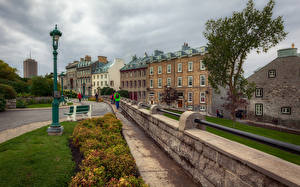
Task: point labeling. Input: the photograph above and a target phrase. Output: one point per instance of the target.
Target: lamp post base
(54, 131)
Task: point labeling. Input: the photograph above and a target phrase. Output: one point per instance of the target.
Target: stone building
(84, 76)
(184, 71)
(107, 75)
(71, 78)
(30, 68)
(277, 95)
(133, 78)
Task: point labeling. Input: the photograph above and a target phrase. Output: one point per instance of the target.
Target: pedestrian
(117, 98)
(96, 95)
(79, 97)
(218, 113)
(112, 98)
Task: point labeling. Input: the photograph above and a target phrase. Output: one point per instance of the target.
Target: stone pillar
(187, 120)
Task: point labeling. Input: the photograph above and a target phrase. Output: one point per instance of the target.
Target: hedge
(107, 158)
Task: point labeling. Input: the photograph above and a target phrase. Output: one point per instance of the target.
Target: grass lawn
(282, 136)
(36, 159)
(39, 105)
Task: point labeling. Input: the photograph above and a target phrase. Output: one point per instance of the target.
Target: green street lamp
(62, 98)
(55, 128)
(83, 90)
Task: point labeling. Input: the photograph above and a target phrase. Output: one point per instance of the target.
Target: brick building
(133, 78)
(184, 71)
(277, 95)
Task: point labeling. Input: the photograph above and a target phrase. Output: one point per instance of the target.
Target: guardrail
(268, 141)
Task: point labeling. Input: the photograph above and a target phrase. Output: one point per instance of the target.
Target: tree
(169, 95)
(7, 72)
(42, 86)
(231, 39)
(124, 93)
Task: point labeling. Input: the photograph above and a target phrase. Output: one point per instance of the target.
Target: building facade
(84, 76)
(133, 78)
(184, 71)
(107, 75)
(71, 76)
(277, 95)
(30, 68)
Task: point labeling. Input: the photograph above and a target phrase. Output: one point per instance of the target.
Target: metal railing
(268, 141)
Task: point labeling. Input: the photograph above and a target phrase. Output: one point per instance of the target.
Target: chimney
(185, 46)
(81, 59)
(293, 45)
(102, 59)
(87, 58)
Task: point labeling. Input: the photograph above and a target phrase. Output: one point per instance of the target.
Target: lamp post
(62, 75)
(55, 128)
(83, 90)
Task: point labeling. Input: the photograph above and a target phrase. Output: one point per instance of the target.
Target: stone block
(214, 173)
(249, 175)
(198, 146)
(201, 179)
(189, 141)
(232, 180)
(210, 153)
(187, 120)
(186, 151)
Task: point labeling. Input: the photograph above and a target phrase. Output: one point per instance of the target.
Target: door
(179, 103)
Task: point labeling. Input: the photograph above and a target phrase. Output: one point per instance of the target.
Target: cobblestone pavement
(15, 118)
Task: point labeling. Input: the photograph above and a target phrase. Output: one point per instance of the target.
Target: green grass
(281, 136)
(36, 159)
(39, 105)
(69, 104)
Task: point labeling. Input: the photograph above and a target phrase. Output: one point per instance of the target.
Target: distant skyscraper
(30, 68)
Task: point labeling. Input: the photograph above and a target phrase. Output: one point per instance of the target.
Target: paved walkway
(155, 166)
(15, 124)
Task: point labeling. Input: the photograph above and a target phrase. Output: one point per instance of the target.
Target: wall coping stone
(274, 167)
(187, 120)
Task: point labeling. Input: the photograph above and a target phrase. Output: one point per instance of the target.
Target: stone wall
(10, 103)
(210, 159)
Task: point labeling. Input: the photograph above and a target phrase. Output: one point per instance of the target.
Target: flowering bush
(107, 159)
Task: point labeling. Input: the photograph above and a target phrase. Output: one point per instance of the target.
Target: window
(97, 83)
(97, 76)
(202, 97)
(94, 76)
(202, 80)
(272, 73)
(169, 68)
(179, 67)
(101, 83)
(190, 66)
(259, 109)
(286, 110)
(151, 70)
(202, 66)
(123, 84)
(159, 70)
(151, 83)
(202, 108)
(130, 74)
(190, 97)
(130, 84)
(139, 83)
(259, 92)
(101, 76)
(135, 84)
(127, 84)
(159, 83)
(168, 82)
(94, 83)
(160, 95)
(111, 83)
(179, 82)
(105, 75)
(144, 83)
(190, 81)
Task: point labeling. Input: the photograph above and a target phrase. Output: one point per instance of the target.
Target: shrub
(92, 99)
(124, 93)
(2, 103)
(106, 91)
(70, 94)
(20, 103)
(7, 91)
(107, 159)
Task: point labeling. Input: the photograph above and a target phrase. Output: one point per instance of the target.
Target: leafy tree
(41, 86)
(169, 95)
(7, 72)
(124, 93)
(2, 103)
(7, 91)
(106, 91)
(231, 39)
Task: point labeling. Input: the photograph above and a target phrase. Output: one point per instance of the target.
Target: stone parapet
(211, 159)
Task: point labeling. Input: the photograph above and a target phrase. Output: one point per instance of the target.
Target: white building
(107, 75)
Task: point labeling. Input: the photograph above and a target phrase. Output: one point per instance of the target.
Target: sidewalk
(155, 166)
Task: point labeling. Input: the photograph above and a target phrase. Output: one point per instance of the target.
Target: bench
(79, 110)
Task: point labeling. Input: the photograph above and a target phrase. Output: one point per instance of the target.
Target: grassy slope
(36, 159)
(39, 105)
(286, 137)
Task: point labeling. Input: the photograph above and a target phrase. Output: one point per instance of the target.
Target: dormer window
(272, 73)
(286, 110)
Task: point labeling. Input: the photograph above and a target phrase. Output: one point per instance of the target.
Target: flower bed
(107, 159)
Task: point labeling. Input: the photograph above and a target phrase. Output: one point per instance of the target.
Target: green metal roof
(135, 63)
(287, 52)
(84, 64)
(104, 68)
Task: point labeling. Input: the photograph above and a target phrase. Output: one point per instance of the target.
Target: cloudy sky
(121, 28)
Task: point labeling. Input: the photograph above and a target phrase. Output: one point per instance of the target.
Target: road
(15, 118)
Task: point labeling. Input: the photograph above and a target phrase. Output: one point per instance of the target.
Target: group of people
(115, 99)
(79, 96)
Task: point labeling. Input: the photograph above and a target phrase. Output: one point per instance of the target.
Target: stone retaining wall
(210, 159)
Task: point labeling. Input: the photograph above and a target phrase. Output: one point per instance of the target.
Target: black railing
(268, 141)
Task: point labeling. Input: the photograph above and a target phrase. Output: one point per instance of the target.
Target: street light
(55, 128)
(83, 90)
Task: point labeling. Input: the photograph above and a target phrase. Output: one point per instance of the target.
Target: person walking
(96, 95)
(117, 98)
(79, 97)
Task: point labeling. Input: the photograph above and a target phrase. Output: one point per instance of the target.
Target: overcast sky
(121, 28)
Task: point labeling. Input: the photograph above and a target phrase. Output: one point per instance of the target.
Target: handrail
(274, 143)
